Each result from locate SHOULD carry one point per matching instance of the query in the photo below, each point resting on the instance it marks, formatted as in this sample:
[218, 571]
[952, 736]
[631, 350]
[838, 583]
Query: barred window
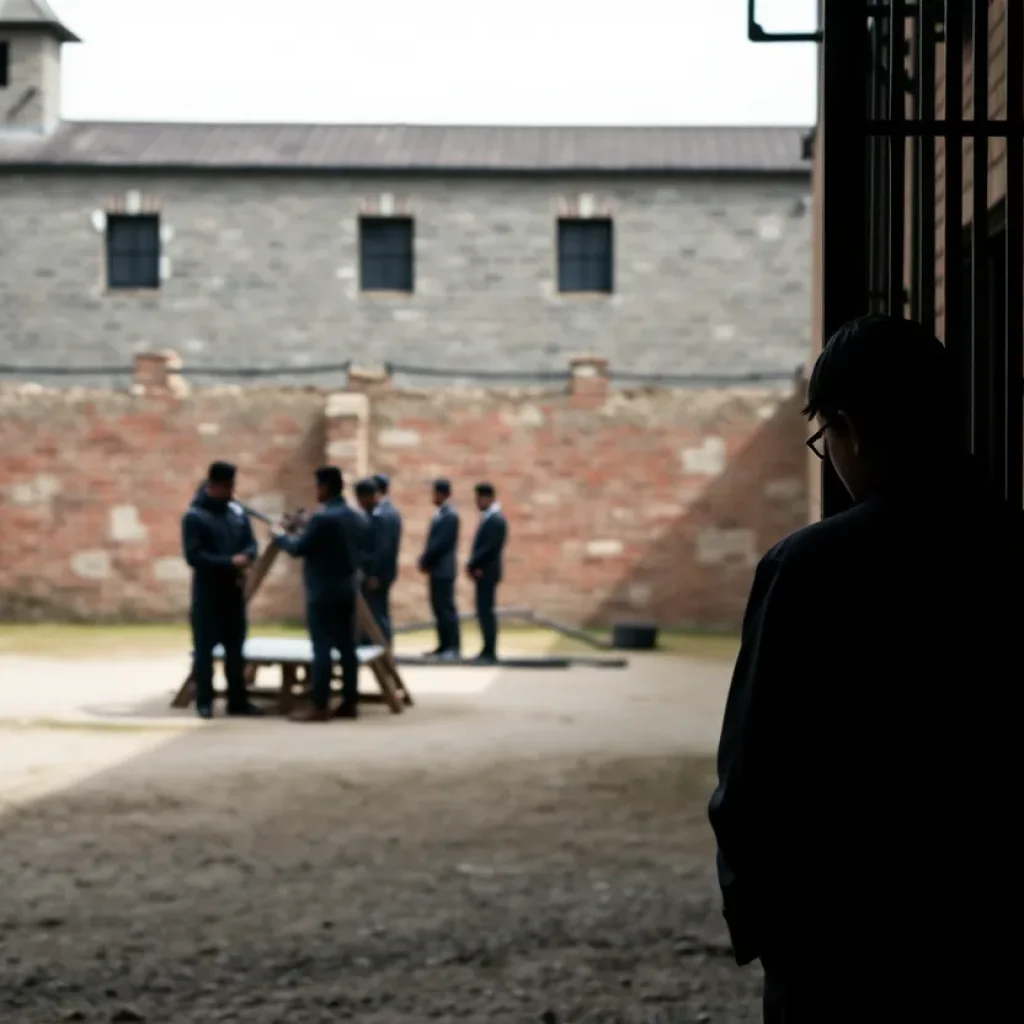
[585, 257]
[133, 251]
[386, 254]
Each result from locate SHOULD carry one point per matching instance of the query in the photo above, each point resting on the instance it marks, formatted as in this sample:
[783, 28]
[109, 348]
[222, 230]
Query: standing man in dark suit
[330, 543]
[218, 545]
[485, 565]
[388, 538]
[366, 499]
[438, 563]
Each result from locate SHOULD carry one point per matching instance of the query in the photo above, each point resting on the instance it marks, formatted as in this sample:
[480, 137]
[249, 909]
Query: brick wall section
[93, 484]
[651, 504]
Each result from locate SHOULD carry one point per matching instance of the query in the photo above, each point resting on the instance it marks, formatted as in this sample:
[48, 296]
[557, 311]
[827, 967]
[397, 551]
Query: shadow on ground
[535, 852]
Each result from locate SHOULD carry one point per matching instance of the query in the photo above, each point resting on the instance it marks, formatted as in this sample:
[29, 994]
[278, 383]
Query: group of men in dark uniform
[438, 563]
[345, 550]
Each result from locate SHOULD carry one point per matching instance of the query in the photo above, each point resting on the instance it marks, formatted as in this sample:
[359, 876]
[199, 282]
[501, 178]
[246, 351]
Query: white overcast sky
[437, 61]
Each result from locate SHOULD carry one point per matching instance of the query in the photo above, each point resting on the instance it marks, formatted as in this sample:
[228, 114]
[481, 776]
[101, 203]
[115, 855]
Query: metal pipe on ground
[522, 615]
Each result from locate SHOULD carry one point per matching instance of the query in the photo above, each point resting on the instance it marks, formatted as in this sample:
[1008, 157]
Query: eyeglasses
[817, 443]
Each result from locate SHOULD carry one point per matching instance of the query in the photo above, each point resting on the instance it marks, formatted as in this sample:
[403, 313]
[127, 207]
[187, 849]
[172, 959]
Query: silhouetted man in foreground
[438, 563]
[863, 797]
[218, 545]
[485, 565]
[331, 545]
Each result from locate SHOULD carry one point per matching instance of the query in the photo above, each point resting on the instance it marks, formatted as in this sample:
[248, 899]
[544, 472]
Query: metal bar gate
[922, 150]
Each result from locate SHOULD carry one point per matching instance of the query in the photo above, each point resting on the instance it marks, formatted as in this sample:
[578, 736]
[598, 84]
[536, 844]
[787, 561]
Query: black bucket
[634, 636]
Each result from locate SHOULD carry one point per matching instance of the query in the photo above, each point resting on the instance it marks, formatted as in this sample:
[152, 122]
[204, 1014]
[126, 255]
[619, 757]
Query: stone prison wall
[652, 504]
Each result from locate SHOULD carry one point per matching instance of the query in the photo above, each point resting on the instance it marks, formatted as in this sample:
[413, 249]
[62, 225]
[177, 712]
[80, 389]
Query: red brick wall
[650, 504]
[93, 485]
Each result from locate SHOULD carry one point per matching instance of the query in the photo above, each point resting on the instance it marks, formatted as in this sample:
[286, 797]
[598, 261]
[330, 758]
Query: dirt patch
[582, 890]
[535, 853]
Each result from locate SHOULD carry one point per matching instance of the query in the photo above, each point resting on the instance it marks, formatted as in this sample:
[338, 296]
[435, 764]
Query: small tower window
[5, 63]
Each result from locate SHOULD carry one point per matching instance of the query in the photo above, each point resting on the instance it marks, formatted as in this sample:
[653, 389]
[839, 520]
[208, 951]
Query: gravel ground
[536, 852]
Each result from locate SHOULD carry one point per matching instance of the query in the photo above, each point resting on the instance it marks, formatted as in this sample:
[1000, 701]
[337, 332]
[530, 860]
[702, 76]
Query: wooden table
[294, 656]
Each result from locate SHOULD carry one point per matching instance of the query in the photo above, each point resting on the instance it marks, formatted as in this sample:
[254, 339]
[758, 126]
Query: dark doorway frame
[888, 68]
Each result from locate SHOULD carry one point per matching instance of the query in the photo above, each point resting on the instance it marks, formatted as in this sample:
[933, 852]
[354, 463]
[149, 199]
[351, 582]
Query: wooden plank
[258, 571]
[385, 669]
[289, 679]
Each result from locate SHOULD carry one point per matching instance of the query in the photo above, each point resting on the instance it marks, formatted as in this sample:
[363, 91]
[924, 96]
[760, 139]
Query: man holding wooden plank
[331, 544]
[219, 546]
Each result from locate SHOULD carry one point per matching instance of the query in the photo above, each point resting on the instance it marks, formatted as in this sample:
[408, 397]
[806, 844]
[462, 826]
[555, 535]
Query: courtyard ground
[521, 846]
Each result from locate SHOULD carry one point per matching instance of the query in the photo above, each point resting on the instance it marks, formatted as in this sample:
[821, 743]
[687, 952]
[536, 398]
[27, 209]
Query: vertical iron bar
[953, 301]
[877, 208]
[844, 213]
[924, 253]
[980, 341]
[1013, 397]
[896, 256]
[914, 171]
[880, 149]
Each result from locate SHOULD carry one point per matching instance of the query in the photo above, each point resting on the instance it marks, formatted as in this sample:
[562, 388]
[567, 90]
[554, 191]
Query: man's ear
[851, 430]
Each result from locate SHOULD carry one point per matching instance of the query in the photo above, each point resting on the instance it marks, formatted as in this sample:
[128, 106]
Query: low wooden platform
[293, 657]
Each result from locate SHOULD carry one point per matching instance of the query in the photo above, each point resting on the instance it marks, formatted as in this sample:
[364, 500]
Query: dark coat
[332, 545]
[862, 778]
[488, 546]
[367, 541]
[439, 555]
[212, 533]
[387, 523]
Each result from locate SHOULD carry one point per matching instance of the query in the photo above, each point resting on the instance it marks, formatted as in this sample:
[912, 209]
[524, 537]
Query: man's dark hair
[221, 473]
[887, 373]
[366, 487]
[442, 486]
[330, 477]
[382, 482]
[485, 490]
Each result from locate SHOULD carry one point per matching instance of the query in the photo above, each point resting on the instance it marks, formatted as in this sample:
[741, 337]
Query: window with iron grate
[585, 256]
[386, 254]
[133, 251]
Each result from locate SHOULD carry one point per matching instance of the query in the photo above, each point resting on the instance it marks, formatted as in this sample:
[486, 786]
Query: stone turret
[31, 37]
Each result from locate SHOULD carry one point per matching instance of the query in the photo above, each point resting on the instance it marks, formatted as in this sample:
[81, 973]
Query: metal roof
[21, 13]
[424, 148]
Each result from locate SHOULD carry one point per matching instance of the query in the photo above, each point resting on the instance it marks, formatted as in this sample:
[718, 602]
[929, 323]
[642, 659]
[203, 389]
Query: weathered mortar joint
[158, 373]
[368, 378]
[588, 380]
